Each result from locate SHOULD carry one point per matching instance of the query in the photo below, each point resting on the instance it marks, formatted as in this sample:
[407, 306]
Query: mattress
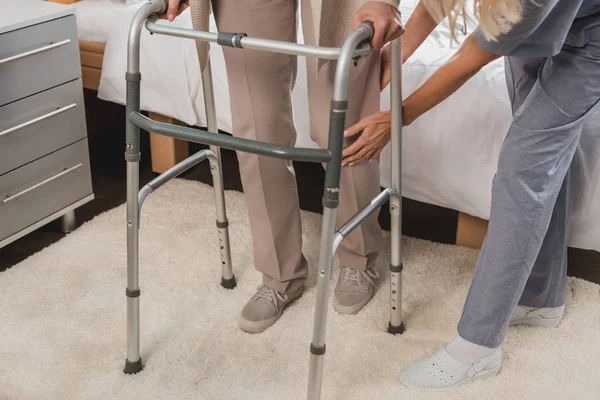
[449, 154]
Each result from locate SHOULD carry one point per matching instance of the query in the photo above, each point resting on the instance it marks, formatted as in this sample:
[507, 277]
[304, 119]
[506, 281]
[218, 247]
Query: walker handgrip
[165, 5]
[370, 27]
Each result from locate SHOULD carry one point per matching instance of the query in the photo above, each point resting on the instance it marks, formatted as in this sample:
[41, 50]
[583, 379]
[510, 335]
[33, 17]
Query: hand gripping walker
[355, 46]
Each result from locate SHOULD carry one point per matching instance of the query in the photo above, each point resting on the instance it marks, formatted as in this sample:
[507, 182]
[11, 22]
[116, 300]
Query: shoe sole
[260, 326]
[541, 322]
[486, 373]
[353, 309]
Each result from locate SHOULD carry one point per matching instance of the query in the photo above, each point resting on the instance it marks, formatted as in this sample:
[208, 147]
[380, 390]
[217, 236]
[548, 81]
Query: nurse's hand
[176, 7]
[386, 22]
[374, 135]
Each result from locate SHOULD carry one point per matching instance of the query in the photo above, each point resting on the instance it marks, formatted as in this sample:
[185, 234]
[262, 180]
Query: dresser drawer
[40, 124]
[38, 57]
[43, 187]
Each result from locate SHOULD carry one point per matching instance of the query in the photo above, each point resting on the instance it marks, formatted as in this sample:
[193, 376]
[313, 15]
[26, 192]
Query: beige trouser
[260, 85]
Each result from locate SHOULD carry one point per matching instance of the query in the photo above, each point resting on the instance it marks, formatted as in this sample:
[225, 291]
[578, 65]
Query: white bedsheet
[95, 17]
[449, 154]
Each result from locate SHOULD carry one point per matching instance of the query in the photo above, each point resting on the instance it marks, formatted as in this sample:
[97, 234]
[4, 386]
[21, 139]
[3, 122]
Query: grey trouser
[524, 256]
[260, 85]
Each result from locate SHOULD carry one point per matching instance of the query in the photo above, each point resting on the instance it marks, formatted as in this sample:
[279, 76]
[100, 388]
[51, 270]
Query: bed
[93, 26]
[449, 154]
[93, 29]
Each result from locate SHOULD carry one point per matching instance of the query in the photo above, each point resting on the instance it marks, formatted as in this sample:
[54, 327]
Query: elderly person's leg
[260, 86]
[359, 183]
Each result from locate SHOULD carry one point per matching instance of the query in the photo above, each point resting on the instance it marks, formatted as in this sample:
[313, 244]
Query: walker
[354, 47]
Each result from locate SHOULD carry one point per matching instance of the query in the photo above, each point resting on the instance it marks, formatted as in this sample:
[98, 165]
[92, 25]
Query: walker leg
[133, 364]
[337, 121]
[227, 278]
[396, 326]
[317, 347]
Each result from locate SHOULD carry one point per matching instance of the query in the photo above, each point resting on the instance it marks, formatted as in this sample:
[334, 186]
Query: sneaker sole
[260, 326]
[353, 309]
[486, 373]
[542, 322]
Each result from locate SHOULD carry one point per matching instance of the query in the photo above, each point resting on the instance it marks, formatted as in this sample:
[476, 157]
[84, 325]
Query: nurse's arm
[467, 61]
[374, 130]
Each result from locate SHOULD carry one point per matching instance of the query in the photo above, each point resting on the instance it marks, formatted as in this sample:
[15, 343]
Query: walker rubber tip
[228, 283]
[133, 367]
[396, 330]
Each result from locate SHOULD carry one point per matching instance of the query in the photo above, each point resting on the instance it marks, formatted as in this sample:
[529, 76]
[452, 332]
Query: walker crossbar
[355, 46]
[229, 142]
[174, 172]
[357, 219]
[239, 40]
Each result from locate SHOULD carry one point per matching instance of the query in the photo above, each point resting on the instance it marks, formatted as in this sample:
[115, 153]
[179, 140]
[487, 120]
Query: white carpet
[62, 329]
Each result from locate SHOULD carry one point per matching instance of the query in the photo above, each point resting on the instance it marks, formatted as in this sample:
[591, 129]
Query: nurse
[552, 59]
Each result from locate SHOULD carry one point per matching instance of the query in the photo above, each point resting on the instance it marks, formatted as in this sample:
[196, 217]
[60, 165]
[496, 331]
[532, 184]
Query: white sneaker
[442, 371]
[546, 317]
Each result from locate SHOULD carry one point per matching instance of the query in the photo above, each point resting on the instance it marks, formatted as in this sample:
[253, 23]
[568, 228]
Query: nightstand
[44, 157]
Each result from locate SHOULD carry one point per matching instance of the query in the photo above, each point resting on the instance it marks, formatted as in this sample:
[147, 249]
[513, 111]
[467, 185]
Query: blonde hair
[495, 16]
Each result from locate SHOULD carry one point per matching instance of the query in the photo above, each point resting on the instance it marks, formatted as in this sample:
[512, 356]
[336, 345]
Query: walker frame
[355, 46]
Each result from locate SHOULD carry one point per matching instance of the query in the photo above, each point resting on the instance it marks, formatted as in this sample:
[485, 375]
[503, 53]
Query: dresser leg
[67, 222]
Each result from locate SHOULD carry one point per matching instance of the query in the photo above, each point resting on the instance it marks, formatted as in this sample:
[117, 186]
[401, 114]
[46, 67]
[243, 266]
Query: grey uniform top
[545, 27]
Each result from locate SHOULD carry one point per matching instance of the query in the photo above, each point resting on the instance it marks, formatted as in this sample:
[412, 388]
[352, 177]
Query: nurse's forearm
[418, 27]
[467, 61]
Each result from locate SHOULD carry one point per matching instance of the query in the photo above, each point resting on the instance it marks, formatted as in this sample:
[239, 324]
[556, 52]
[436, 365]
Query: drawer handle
[35, 51]
[38, 119]
[11, 197]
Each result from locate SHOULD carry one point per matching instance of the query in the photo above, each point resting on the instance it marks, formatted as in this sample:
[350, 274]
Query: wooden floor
[107, 137]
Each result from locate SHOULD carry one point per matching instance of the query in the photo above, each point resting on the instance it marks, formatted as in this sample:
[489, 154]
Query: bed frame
[166, 152]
